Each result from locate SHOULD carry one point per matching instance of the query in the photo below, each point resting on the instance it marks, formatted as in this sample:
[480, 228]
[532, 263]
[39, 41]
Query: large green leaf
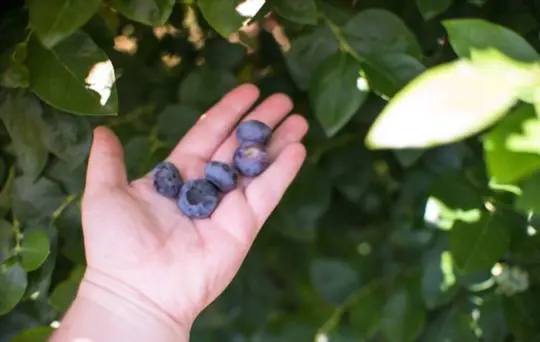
[63, 295]
[34, 250]
[22, 117]
[478, 245]
[432, 8]
[307, 52]
[492, 322]
[13, 283]
[175, 121]
[403, 316]
[335, 94]
[299, 11]
[35, 200]
[506, 162]
[148, 12]
[466, 35]
[378, 31]
[67, 136]
[452, 101]
[221, 15]
[366, 310]
[55, 20]
[522, 315]
[75, 76]
[530, 196]
[451, 325]
[438, 278]
[39, 334]
[7, 239]
[333, 279]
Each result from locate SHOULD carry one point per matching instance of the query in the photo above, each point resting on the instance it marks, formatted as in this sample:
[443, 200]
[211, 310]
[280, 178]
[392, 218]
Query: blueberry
[198, 198]
[251, 159]
[166, 179]
[221, 175]
[253, 130]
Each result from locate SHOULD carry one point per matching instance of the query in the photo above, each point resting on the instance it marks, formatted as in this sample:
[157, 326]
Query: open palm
[139, 238]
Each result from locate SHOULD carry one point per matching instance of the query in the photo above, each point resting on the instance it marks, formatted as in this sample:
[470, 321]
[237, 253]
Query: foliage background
[433, 241]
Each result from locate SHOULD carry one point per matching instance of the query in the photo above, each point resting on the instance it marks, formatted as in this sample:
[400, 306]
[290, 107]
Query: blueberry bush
[414, 217]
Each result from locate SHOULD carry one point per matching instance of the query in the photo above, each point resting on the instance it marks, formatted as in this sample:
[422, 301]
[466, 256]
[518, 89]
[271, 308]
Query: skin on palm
[138, 238]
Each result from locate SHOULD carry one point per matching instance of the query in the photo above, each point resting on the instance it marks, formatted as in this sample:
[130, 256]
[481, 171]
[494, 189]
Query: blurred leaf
[72, 180]
[337, 79]
[492, 321]
[465, 35]
[303, 204]
[478, 245]
[57, 19]
[505, 164]
[377, 31]
[63, 295]
[451, 325]
[484, 93]
[15, 76]
[7, 237]
[221, 15]
[39, 334]
[148, 12]
[13, 284]
[403, 316]
[432, 8]
[333, 279]
[67, 136]
[22, 116]
[34, 249]
[219, 53]
[136, 153]
[36, 200]
[83, 76]
[438, 278]
[530, 197]
[299, 11]
[407, 157]
[175, 121]
[307, 52]
[366, 311]
[204, 86]
[522, 313]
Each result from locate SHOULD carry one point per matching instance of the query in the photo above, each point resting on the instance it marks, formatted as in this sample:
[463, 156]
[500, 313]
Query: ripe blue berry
[251, 159]
[198, 198]
[221, 175]
[166, 179]
[253, 130]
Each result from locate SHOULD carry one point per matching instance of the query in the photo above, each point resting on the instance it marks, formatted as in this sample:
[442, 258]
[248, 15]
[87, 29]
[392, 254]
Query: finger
[216, 124]
[106, 161]
[265, 191]
[271, 111]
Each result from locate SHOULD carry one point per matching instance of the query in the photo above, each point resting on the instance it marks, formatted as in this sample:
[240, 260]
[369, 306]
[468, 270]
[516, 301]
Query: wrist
[112, 309]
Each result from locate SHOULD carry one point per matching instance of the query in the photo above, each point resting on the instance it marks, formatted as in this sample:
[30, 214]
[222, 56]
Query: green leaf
[303, 205]
[22, 116]
[204, 86]
[221, 15]
[67, 136]
[465, 35]
[13, 283]
[15, 76]
[57, 19]
[530, 196]
[438, 278]
[7, 239]
[432, 8]
[148, 12]
[83, 76]
[63, 295]
[478, 245]
[408, 157]
[137, 152]
[505, 163]
[403, 317]
[219, 53]
[451, 102]
[299, 11]
[307, 52]
[34, 249]
[388, 73]
[522, 313]
[175, 121]
[333, 279]
[451, 325]
[35, 200]
[492, 321]
[39, 334]
[366, 311]
[335, 94]
[378, 31]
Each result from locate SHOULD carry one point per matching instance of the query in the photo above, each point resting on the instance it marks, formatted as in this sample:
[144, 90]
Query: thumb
[106, 161]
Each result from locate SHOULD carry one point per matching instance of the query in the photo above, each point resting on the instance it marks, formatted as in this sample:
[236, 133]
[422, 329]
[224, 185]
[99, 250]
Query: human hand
[137, 238]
